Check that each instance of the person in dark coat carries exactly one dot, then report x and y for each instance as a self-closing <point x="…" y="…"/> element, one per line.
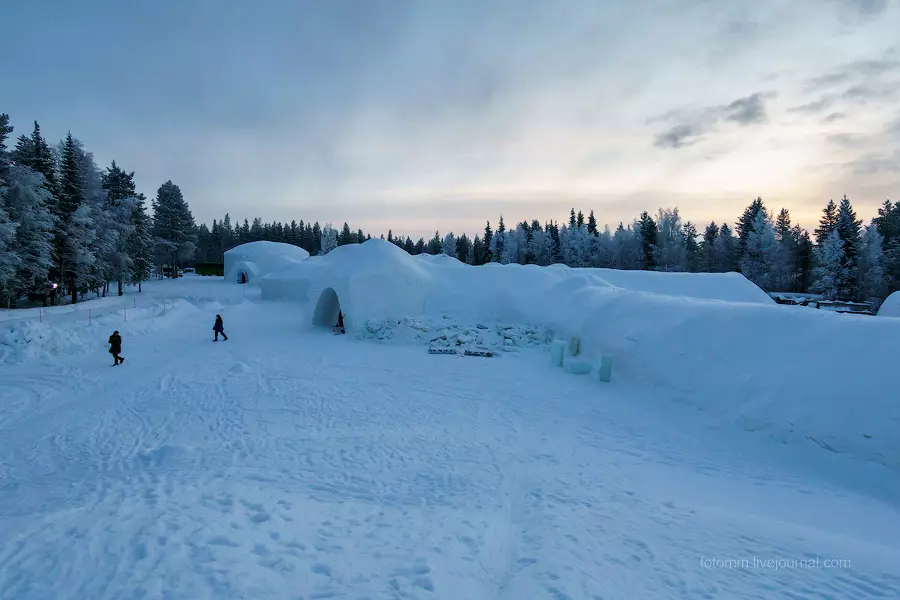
<point x="218" y="328"/>
<point x="115" y="348"/>
<point x="339" y="327"/>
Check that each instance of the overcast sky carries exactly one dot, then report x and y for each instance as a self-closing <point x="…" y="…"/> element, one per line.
<point x="424" y="114"/>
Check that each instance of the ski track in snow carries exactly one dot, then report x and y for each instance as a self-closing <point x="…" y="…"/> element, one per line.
<point x="277" y="465"/>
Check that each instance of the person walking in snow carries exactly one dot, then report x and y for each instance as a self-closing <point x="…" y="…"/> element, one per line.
<point x="218" y="328"/>
<point x="115" y="348"/>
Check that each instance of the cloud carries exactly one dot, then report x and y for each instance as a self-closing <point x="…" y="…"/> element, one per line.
<point x="835" y="116"/>
<point x="681" y="135"/>
<point x="860" y="71"/>
<point x="690" y="126"/>
<point x="815" y="107"/>
<point x="747" y="111"/>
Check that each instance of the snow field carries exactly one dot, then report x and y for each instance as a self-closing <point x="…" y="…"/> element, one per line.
<point x="717" y="341"/>
<point x="286" y="463"/>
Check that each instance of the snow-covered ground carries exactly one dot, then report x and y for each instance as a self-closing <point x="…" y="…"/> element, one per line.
<point x="292" y="463"/>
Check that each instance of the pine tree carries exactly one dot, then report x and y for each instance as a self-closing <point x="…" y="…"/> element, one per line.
<point x="827" y="223"/>
<point x="726" y="250"/>
<point x="75" y="234"/>
<point x="648" y="234"/>
<point x="872" y="276"/>
<point x="488" y="244"/>
<point x="888" y="223"/>
<point x="849" y="229"/>
<point x="173" y="227"/>
<point x="670" y="252"/>
<point x="803" y="261"/>
<point x="463" y="248"/>
<point x="693" y="256"/>
<point x="745" y="225"/>
<point x="708" y="248"/>
<point x="759" y="252"/>
<point x="572" y="219"/>
<point x="592" y="224"/>
<point x="498" y="243"/>
<point x="28" y="203"/>
<point x="830" y="274"/>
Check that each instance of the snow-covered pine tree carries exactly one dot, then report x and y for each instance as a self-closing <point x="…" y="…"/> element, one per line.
<point x="9" y="259"/>
<point x="849" y="229"/>
<point x="28" y="203"/>
<point x="745" y="223"/>
<point x="448" y="246"/>
<point x="498" y="242"/>
<point x="489" y="244"/>
<point x="759" y="251"/>
<point x="872" y="276"/>
<point x="509" y="249"/>
<point x="829" y="274"/>
<point x="329" y="239"/>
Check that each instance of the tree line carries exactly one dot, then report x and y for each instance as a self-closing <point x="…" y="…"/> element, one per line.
<point x="67" y="227"/>
<point x="841" y="260"/>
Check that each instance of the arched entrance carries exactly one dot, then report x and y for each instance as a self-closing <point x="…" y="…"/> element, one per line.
<point x="327" y="309"/>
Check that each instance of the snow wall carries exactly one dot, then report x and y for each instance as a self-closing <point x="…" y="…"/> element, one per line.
<point x="257" y="259"/>
<point x="715" y="341"/>
<point x="891" y="306"/>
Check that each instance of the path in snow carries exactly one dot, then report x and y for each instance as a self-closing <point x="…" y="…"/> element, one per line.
<point x="280" y="465"/>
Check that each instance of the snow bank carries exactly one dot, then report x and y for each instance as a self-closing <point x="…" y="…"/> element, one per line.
<point x="891" y="306"/>
<point x="257" y="259"/>
<point x="717" y="340"/>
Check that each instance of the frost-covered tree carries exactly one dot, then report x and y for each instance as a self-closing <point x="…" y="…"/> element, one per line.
<point x="498" y="242"/>
<point x="669" y="253"/>
<point x="329" y="239"/>
<point x="759" y="251"/>
<point x="872" y="279"/>
<point x="448" y="246"/>
<point x="830" y="274"/>
<point x="509" y="249"/>
<point x="28" y="204"/>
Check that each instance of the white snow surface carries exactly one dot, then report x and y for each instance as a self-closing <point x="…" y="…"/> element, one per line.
<point x="891" y="306"/>
<point x="292" y="463"/>
<point x="258" y="259"/>
<point x="715" y="341"/>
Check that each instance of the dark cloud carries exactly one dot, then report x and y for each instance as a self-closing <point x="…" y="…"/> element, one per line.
<point x="866" y="8"/>
<point x="690" y="126"/>
<point x="870" y="91"/>
<point x="835" y="116"/>
<point x="747" y="111"/>
<point x="680" y="135"/>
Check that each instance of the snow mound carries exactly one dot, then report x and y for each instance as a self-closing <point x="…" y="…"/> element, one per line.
<point x="257" y="259"/>
<point x="891" y="306"/>
<point x="717" y="340"/>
